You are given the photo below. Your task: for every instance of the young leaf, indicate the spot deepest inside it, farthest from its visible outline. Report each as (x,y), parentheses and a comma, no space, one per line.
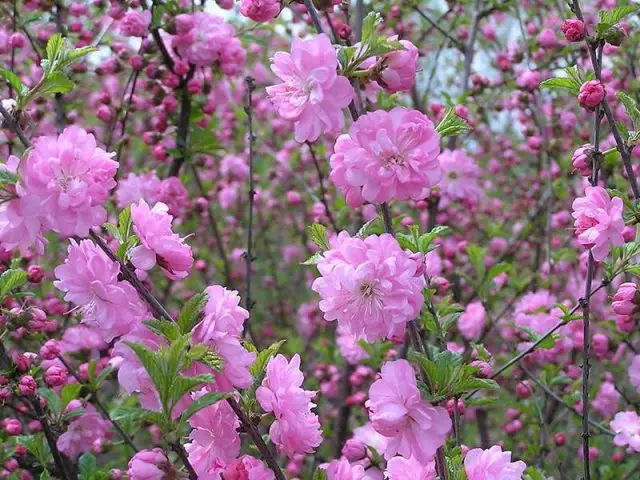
(10,280)
(452,125)
(206,400)
(69,392)
(313,259)
(56,82)
(612,17)
(168,330)
(13,80)
(263,358)
(631,107)
(561,83)
(191,312)
(203,141)
(125,223)
(318,235)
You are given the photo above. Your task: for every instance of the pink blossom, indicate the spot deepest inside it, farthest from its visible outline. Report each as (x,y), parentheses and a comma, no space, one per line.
(247,468)
(221,329)
(159,244)
(90,280)
(138,187)
(83,431)
(204,39)
(342,470)
(370,286)
(400,468)
(529,80)
(573,29)
(535,311)
(214,438)
(582,160)
(471,322)
(296,428)
(626,426)
(350,349)
(398,411)
(260,10)
(387,156)
(492,464)
(136,24)
(174,194)
(149,465)
(400,66)
(592,93)
(547,39)
(607,399)
(460,177)
(598,221)
(634,372)
(626,300)
(71,178)
(312,94)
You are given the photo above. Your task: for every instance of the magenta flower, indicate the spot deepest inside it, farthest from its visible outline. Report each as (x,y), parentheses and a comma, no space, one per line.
(312,94)
(149,465)
(626,300)
(592,93)
(134,188)
(535,311)
(83,432)
(159,244)
(136,24)
(341,469)
(626,425)
(460,177)
(607,399)
(400,468)
(400,66)
(398,411)
(260,10)
(90,280)
(598,221)
(573,30)
(71,179)
(471,322)
(371,287)
(582,160)
(296,428)
(492,464)
(387,156)
(247,467)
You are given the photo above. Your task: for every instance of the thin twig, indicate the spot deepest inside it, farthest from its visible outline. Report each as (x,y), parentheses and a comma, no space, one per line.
(184,458)
(323,190)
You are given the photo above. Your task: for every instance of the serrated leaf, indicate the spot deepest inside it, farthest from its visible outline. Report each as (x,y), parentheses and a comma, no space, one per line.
(372,227)
(13,80)
(53,401)
(320,474)
(561,83)
(191,312)
(369,25)
(206,400)
(86,466)
(54,48)
(263,357)
(203,141)
(452,125)
(113,231)
(612,17)
(168,330)
(106,371)
(313,259)
(125,223)
(631,107)
(184,385)
(69,392)
(318,235)
(202,353)
(7,177)
(10,280)
(56,82)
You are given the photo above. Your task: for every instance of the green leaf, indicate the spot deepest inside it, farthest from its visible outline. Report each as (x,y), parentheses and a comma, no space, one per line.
(561,83)
(631,107)
(320,474)
(546,344)
(184,385)
(56,82)
(13,80)
(206,400)
(369,25)
(69,392)
(168,330)
(45,475)
(113,231)
(372,227)
(54,49)
(262,359)
(53,401)
(191,312)
(477,255)
(125,223)
(318,235)
(612,17)
(106,371)
(313,259)
(202,353)
(203,141)
(452,125)
(533,473)
(86,466)
(10,280)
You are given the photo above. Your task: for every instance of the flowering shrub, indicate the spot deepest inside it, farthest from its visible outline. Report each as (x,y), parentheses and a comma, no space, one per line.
(342,240)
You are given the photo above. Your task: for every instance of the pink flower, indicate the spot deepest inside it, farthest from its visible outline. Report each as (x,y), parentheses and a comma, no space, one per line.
(221,329)
(400,468)
(492,464)
(174,194)
(573,30)
(260,10)
(626,301)
(547,39)
(159,244)
(460,178)
(370,286)
(136,24)
(400,68)
(247,468)
(472,321)
(312,94)
(214,438)
(83,431)
(204,39)
(535,311)
(634,372)
(71,179)
(598,221)
(626,425)
(90,280)
(350,349)
(296,428)
(342,470)
(149,465)
(607,400)
(529,80)
(398,411)
(592,93)
(27,385)
(387,156)
(138,187)
(582,160)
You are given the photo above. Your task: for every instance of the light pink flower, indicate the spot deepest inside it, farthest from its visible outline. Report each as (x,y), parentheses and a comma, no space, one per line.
(149,465)
(606,401)
(260,10)
(138,187)
(247,468)
(90,280)
(400,468)
(174,194)
(598,221)
(634,372)
(136,24)
(214,438)
(535,311)
(204,39)
(342,470)
(296,428)
(370,286)
(626,425)
(529,80)
(626,300)
(582,160)
(83,431)
(159,244)
(492,464)
(387,156)
(312,94)
(460,177)
(400,68)
(472,321)
(71,178)
(398,411)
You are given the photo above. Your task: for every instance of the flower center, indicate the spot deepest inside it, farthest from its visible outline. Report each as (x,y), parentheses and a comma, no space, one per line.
(367,290)
(392,159)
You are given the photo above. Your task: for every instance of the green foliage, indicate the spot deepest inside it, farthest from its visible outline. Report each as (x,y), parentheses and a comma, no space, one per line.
(206,400)
(7,177)
(417,242)
(320,474)
(11,279)
(545,344)
(533,473)
(203,141)
(258,371)
(36,444)
(609,18)
(15,82)
(318,235)
(452,125)
(123,233)
(631,107)
(192,312)
(88,469)
(374,226)
(572,81)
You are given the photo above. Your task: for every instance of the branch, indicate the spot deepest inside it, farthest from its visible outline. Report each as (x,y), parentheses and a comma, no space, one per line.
(323,190)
